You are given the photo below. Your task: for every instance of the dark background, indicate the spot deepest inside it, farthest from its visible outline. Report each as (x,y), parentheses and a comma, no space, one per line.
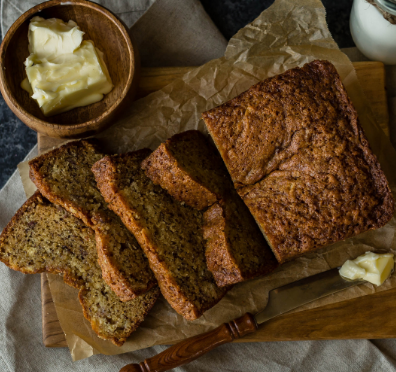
(16,140)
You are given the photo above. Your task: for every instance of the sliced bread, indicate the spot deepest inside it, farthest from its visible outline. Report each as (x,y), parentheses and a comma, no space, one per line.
(64,176)
(169,232)
(190,169)
(235,248)
(43,237)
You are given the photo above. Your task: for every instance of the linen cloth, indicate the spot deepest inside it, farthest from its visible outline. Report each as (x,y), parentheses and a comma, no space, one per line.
(21,347)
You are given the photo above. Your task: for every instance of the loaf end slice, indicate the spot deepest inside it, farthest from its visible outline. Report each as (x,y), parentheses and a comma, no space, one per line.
(235,248)
(64,176)
(189,168)
(43,237)
(168,231)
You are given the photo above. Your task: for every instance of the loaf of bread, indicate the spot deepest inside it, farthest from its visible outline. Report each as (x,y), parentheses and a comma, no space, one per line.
(300,160)
(43,237)
(189,168)
(170,232)
(64,176)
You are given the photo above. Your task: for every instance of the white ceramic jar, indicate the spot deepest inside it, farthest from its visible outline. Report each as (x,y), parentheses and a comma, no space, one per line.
(374,36)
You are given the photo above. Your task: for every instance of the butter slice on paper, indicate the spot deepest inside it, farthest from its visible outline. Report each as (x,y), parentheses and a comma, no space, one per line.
(372,267)
(286,35)
(63,71)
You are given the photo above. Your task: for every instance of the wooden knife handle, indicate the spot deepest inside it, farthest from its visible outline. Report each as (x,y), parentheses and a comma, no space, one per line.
(192,348)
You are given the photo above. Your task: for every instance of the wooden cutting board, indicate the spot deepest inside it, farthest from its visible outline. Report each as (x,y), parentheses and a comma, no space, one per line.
(366,317)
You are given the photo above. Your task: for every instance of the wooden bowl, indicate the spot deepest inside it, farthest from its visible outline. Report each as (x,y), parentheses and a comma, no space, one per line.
(110,36)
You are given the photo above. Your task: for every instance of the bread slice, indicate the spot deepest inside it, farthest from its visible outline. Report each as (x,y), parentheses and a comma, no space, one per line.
(43,237)
(168,231)
(189,168)
(64,176)
(235,248)
(300,160)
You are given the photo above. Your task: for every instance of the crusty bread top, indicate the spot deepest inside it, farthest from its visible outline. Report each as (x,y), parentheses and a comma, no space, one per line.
(190,169)
(279,117)
(43,237)
(235,248)
(315,199)
(64,176)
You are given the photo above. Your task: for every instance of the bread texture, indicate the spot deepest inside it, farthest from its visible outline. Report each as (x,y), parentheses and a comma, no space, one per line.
(43,237)
(168,231)
(189,168)
(64,176)
(235,248)
(300,160)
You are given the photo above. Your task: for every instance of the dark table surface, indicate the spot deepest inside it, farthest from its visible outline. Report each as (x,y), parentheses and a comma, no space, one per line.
(16,140)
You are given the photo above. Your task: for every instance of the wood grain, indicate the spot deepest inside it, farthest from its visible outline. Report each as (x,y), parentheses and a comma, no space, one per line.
(365,317)
(372,80)
(110,36)
(50,324)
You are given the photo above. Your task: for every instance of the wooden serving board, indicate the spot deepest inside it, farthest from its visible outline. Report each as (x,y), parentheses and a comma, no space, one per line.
(366,317)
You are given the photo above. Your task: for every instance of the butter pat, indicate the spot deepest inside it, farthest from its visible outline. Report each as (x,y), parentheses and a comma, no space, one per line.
(52,37)
(372,267)
(63,71)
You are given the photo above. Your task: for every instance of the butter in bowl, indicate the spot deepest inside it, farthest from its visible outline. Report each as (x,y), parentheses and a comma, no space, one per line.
(63,71)
(77,91)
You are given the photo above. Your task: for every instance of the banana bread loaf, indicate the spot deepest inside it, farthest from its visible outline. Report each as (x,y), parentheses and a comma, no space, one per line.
(189,168)
(43,237)
(168,231)
(64,176)
(300,160)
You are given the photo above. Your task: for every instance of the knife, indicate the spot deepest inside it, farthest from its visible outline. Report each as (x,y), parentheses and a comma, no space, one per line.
(280,301)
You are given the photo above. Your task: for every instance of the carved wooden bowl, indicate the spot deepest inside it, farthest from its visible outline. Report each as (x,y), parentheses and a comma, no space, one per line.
(110,36)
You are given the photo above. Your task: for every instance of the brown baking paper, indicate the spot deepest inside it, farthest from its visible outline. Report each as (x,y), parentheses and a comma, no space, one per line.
(284,36)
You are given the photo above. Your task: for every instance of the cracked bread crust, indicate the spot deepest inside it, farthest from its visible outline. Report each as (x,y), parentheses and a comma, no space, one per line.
(43,237)
(235,249)
(64,176)
(168,231)
(314,200)
(273,120)
(188,167)
(300,160)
